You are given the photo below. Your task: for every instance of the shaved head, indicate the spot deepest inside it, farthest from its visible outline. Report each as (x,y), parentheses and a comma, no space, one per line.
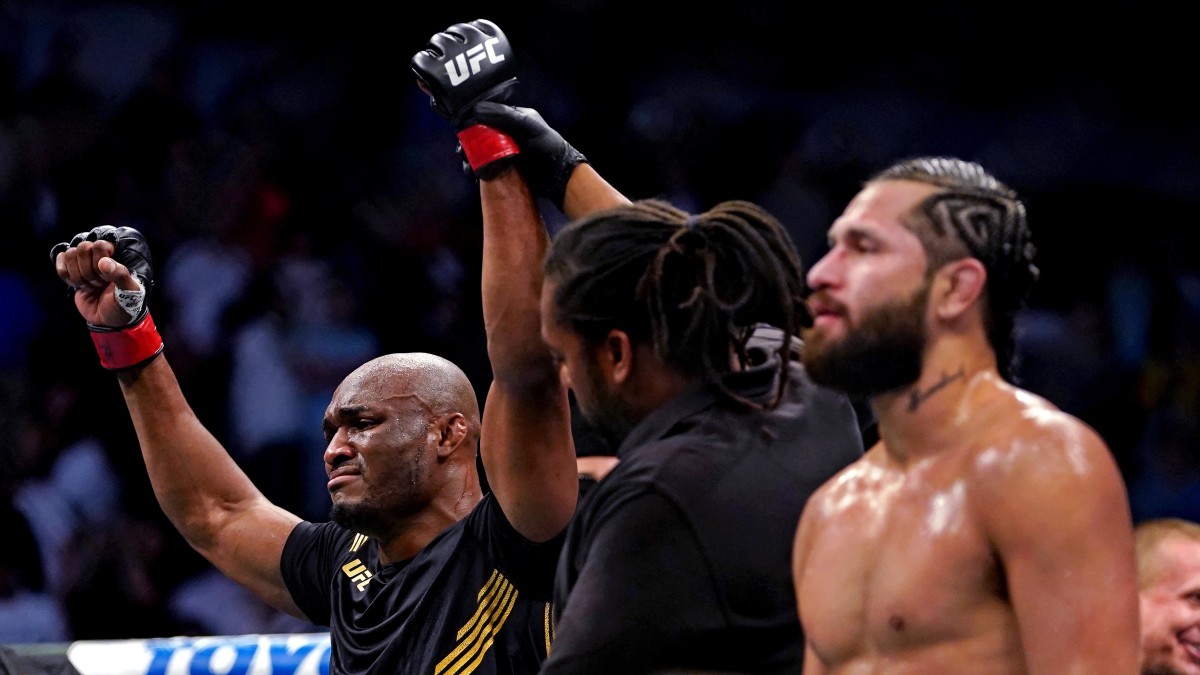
(436,382)
(402,434)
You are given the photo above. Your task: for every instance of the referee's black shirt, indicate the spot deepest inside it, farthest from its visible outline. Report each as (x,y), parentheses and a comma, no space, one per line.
(681,557)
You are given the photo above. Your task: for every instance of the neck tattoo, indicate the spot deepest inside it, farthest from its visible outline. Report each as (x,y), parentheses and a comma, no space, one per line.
(916,398)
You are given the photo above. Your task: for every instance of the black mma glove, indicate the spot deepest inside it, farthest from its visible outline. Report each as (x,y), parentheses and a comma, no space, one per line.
(461,66)
(137,341)
(546,159)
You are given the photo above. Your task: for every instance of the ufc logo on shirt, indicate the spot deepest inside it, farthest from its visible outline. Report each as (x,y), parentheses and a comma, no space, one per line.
(358,573)
(457,69)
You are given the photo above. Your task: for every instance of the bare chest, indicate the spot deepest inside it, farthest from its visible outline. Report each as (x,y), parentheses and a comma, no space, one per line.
(898,563)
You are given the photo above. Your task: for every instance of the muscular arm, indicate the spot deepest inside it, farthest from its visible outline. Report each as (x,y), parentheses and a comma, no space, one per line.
(587,192)
(526,444)
(1057,513)
(203,492)
(199,487)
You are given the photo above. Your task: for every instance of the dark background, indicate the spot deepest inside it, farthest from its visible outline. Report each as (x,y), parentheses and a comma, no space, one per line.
(295,186)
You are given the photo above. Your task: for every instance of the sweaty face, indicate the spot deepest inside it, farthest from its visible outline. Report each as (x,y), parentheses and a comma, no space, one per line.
(579,371)
(870,295)
(380,455)
(1170,611)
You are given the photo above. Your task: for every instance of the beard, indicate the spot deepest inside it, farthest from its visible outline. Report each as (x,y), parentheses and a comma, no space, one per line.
(605,412)
(360,517)
(881,354)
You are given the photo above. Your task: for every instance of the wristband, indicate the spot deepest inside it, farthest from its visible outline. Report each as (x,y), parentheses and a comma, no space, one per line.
(127,347)
(483,145)
(131,301)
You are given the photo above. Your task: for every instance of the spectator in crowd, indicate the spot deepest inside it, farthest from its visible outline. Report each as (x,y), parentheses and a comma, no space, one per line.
(1168,552)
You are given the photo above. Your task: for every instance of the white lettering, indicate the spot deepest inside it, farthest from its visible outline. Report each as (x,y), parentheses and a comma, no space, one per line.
(492,55)
(458,74)
(476,55)
(289,654)
(457,67)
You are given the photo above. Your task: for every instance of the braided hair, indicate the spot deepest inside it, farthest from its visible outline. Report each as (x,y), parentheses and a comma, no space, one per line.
(978,212)
(692,286)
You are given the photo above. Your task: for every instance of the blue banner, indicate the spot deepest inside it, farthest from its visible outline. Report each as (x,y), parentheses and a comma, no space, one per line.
(298,654)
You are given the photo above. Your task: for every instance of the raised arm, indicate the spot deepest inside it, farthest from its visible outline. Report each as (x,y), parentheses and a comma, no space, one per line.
(198,485)
(1058,516)
(526,443)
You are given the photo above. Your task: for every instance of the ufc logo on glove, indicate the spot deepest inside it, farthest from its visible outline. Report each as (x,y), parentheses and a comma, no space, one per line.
(456,68)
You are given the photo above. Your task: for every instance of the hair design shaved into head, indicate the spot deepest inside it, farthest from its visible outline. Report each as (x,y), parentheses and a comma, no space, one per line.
(976,215)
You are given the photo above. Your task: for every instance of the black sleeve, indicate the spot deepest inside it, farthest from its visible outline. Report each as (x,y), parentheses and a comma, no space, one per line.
(529,565)
(305,566)
(635,597)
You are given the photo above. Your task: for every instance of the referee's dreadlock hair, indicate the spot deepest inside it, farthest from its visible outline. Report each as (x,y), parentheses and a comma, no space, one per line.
(978,216)
(693,286)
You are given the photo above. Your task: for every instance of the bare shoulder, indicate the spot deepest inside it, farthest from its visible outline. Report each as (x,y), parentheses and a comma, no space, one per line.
(1029,455)
(1020,431)
(847,486)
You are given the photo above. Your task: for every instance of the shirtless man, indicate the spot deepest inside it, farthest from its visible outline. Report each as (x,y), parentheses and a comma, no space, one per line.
(986,531)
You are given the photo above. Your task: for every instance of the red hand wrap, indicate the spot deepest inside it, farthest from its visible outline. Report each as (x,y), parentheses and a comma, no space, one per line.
(129,347)
(483,145)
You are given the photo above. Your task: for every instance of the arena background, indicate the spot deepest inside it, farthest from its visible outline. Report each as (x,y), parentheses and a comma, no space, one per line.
(306,210)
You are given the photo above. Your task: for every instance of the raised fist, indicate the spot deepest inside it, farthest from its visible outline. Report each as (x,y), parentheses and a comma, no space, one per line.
(465,64)
(461,66)
(82,265)
(109,269)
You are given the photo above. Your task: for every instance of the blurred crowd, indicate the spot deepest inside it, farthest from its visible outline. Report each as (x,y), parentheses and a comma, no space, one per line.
(306,211)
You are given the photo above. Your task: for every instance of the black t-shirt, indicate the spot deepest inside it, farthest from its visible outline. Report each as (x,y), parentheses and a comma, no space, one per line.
(681,557)
(473,601)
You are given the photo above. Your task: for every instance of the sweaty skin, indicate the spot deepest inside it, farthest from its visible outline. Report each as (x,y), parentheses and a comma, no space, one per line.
(987,531)
(919,588)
